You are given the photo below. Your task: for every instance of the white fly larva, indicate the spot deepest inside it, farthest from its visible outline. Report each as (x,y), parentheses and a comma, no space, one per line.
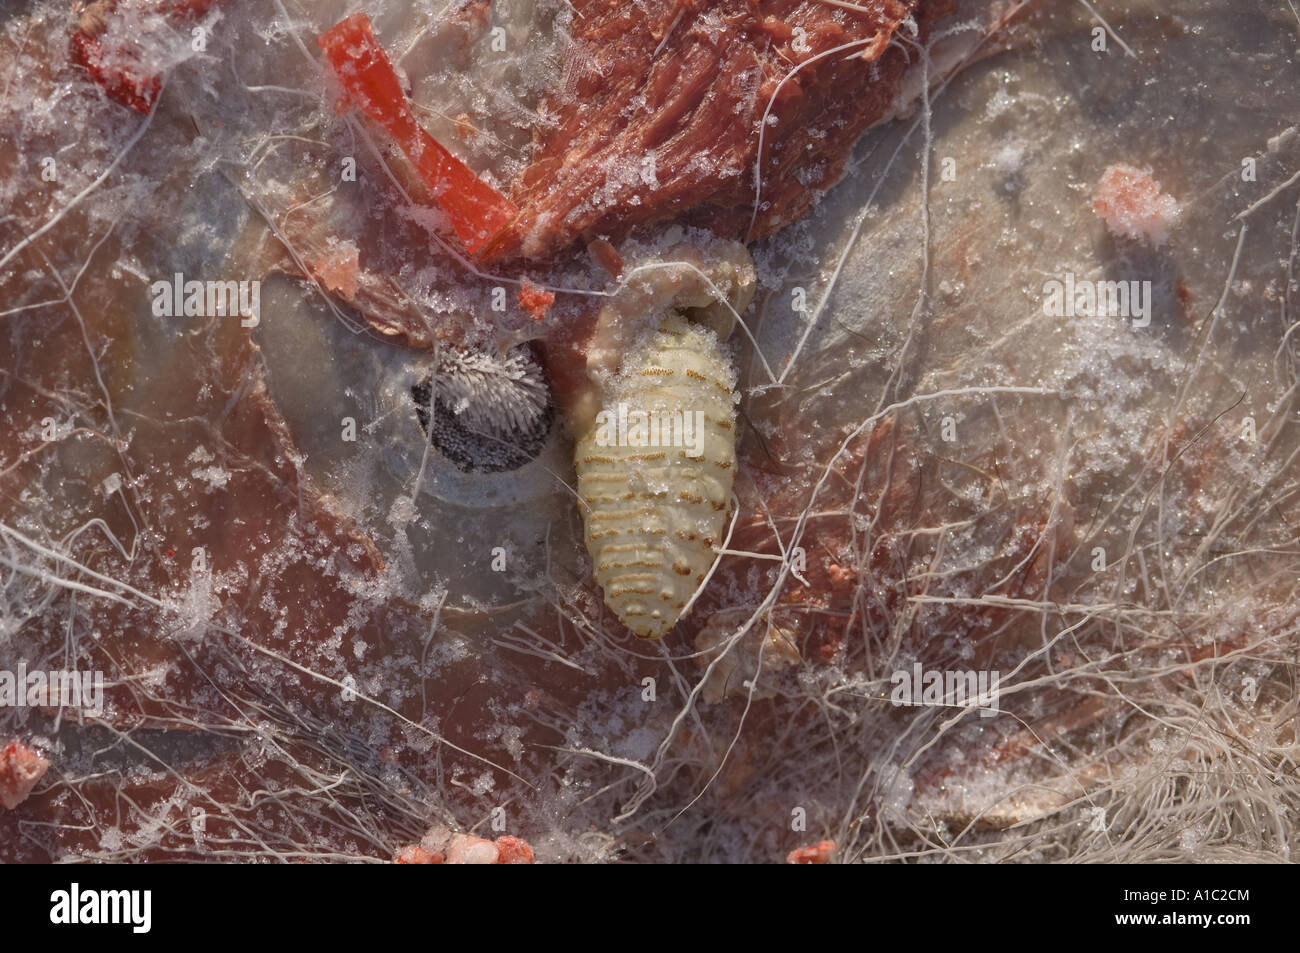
(655,473)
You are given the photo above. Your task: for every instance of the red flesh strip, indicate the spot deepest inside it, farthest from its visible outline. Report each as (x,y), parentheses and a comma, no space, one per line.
(477,211)
(128,88)
(709,92)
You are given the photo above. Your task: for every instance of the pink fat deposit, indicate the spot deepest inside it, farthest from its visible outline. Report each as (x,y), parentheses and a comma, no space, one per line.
(1130,202)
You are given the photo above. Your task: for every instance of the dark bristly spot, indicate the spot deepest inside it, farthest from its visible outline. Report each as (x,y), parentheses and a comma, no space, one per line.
(483,414)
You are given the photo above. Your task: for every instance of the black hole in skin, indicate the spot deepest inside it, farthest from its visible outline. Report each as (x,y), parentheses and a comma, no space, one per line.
(478,451)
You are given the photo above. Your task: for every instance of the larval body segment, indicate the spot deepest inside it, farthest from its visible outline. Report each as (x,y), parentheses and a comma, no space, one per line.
(654,507)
